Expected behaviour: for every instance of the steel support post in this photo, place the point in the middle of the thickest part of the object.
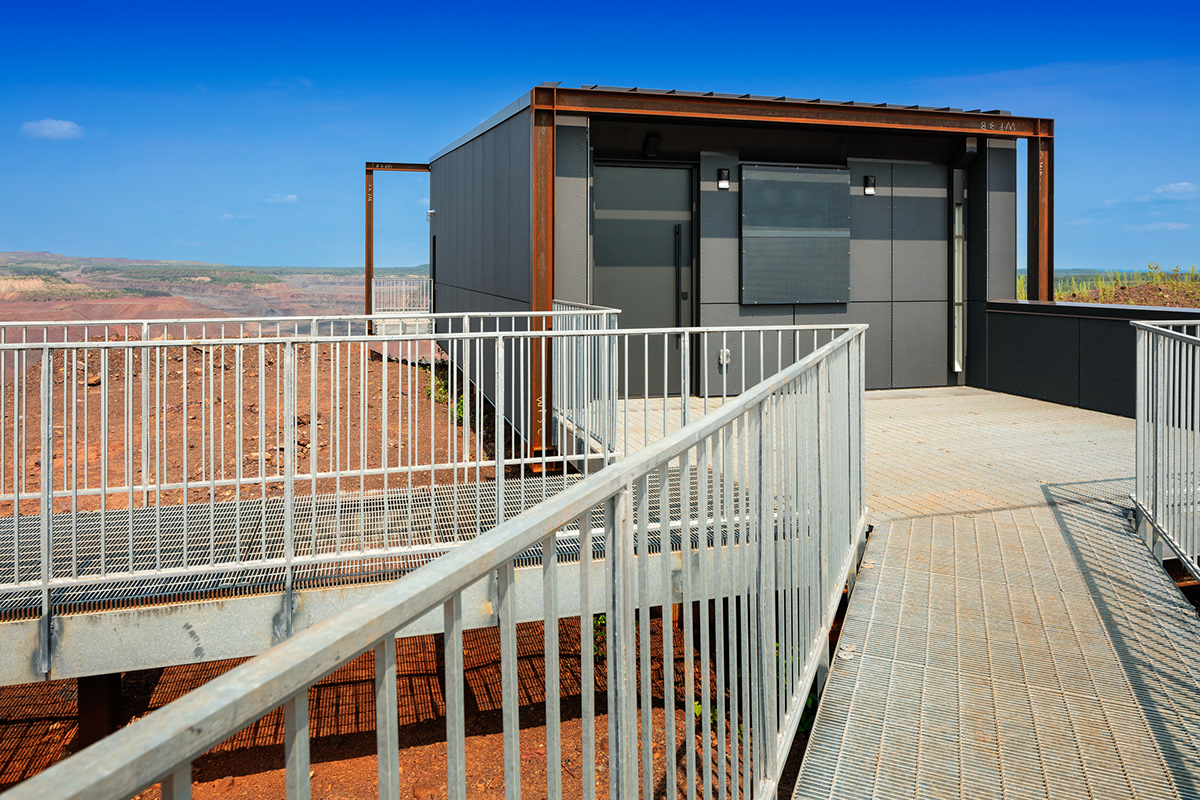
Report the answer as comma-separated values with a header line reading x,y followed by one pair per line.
x,y
541,289
369,256
1040,207
98,702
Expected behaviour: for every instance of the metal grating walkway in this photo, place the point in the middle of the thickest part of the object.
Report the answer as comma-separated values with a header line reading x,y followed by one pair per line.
x,y
1009,636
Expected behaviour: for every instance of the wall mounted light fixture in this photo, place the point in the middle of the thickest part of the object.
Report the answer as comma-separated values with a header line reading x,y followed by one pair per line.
x,y
653,142
722,179
868,185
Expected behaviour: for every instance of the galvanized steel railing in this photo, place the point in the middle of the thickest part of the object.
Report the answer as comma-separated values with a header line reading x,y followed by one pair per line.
x,y
402,294
1167,498
156,469
747,519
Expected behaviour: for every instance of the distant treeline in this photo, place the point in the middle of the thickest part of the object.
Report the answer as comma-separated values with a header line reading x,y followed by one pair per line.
x,y
184,274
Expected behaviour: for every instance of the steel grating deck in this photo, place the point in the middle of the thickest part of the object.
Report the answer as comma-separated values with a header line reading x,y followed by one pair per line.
x,y
1009,636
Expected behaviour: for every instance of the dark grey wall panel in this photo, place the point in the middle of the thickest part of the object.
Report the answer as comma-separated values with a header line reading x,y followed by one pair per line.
x,y
718,261
870,232
919,344
1107,365
571,213
1034,356
920,232
977,345
480,193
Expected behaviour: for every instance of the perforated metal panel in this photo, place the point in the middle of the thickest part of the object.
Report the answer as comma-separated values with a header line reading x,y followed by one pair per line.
x,y
795,235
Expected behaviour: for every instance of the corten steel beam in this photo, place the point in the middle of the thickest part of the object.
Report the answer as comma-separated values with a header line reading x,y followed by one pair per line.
x,y
541,289
1040,207
604,102
369,256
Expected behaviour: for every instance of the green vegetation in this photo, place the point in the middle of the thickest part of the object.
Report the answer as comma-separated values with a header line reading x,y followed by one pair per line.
x,y
1114,286
210,275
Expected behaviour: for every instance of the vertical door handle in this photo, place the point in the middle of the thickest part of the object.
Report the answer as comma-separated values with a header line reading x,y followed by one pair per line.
x,y
678,274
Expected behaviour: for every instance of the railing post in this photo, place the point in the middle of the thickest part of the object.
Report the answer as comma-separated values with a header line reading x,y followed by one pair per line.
x,y
289,482
295,747
46,484
766,591
387,738
622,688
178,785
146,413
456,732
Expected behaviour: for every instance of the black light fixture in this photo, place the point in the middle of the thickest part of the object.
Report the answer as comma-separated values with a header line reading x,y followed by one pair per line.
x,y
869,185
653,142
722,179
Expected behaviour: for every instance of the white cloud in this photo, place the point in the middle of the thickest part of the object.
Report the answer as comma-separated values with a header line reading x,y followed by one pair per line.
x,y
1182,189
424,201
235,216
225,216
277,199
1161,226
56,129
1110,203
1082,222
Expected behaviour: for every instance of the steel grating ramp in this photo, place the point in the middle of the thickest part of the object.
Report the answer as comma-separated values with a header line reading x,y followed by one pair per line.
x,y
365,537
1033,650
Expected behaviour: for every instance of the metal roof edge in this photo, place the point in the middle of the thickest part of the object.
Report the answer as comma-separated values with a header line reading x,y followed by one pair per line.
x,y
509,111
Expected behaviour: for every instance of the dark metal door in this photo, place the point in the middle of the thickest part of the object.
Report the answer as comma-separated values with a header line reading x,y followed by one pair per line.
x,y
642,245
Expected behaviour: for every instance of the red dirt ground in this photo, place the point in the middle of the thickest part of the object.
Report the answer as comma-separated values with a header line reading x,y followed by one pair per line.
x,y
37,722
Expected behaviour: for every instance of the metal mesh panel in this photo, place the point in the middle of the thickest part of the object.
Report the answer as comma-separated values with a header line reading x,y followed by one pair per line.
x,y
795,235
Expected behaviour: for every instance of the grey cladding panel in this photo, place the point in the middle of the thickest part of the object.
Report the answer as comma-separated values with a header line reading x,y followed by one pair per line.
x,y
920,225
755,354
480,193
870,233
718,230
795,235
571,213
879,335
919,344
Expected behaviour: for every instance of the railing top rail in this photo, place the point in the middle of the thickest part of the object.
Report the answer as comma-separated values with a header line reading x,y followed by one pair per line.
x,y
454,315
414,337
149,750
1161,327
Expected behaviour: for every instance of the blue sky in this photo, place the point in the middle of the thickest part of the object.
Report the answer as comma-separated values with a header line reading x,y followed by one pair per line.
x,y
237,135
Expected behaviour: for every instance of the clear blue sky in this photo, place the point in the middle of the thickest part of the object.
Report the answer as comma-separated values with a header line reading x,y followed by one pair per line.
x,y
237,135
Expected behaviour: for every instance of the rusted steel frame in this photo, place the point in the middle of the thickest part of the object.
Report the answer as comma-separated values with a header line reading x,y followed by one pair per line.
x,y
591,101
541,289
396,166
369,256
1040,208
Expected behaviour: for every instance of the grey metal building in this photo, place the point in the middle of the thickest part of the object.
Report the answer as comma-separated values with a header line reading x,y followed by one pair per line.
x,y
698,209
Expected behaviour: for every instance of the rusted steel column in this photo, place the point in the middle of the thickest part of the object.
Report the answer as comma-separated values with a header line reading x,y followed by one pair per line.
x,y
1040,205
541,288
98,708
369,257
